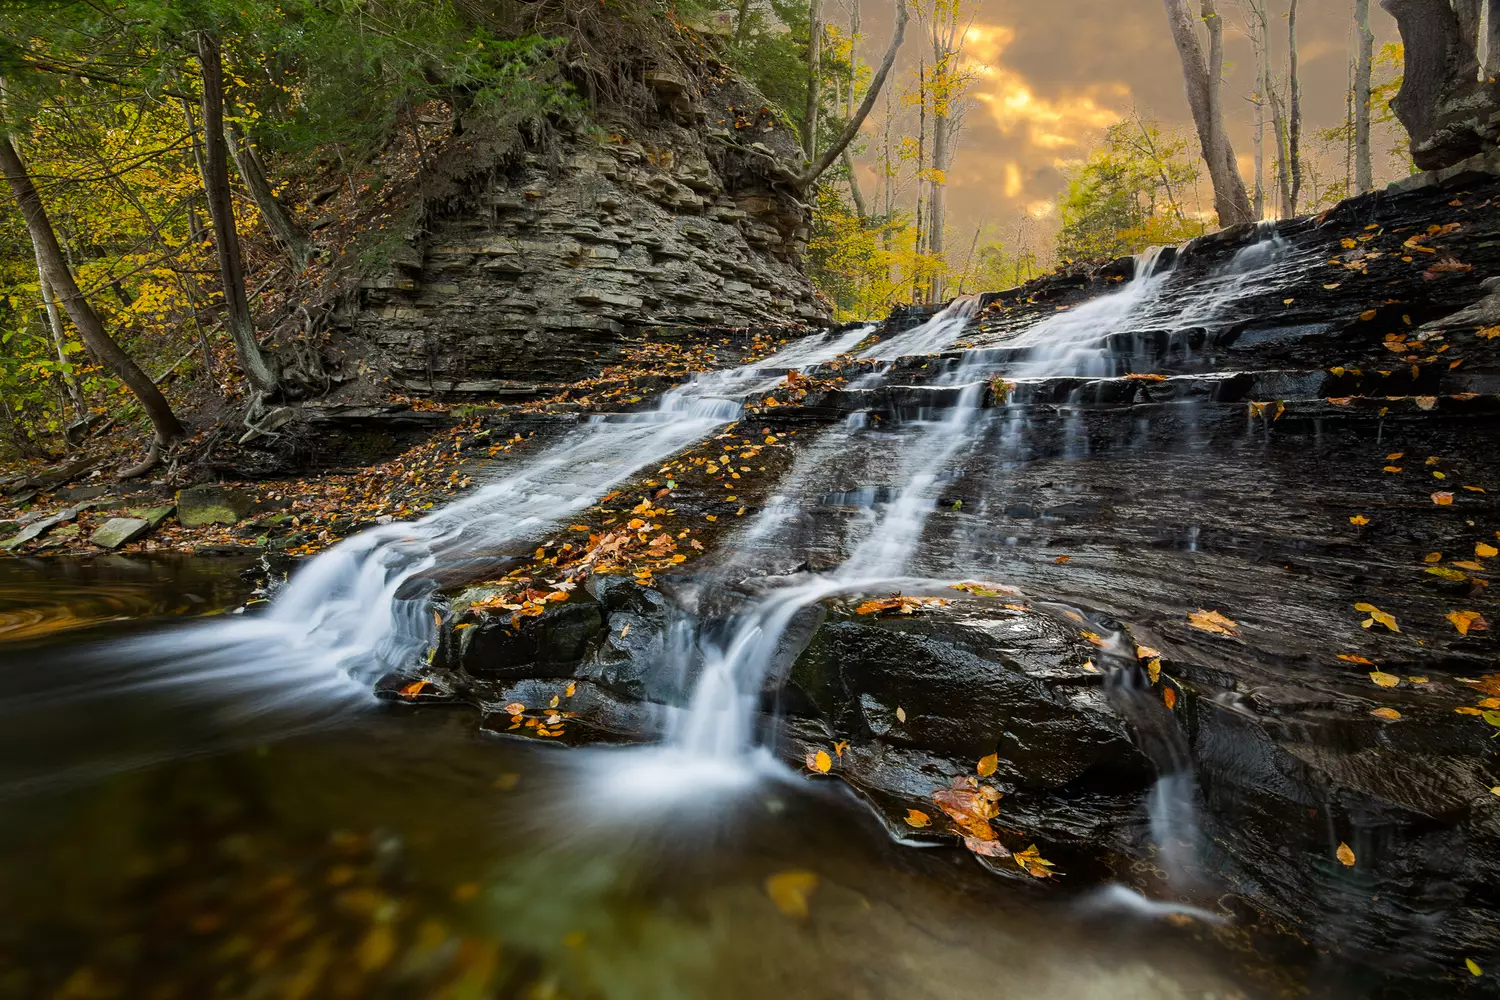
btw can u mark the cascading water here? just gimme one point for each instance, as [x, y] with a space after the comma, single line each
[937, 334]
[360, 609]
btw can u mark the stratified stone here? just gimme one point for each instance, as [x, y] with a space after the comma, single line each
[201, 505]
[118, 531]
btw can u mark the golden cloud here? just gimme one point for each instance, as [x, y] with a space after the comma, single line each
[1071, 120]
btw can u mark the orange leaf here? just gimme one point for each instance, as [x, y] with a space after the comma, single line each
[413, 689]
[917, 818]
[1346, 854]
[1442, 498]
[1212, 621]
[1170, 697]
[987, 765]
[1386, 713]
[1467, 621]
[789, 890]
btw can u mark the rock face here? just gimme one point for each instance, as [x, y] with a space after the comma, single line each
[545, 273]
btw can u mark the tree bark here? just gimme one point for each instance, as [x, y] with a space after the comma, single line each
[55, 272]
[1230, 200]
[1258, 41]
[855, 193]
[1450, 110]
[59, 338]
[830, 155]
[277, 218]
[742, 22]
[221, 208]
[1364, 174]
[814, 73]
[1294, 122]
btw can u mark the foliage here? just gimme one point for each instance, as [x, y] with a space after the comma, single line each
[1130, 193]
[865, 266]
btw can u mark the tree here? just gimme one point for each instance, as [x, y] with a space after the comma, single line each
[1365, 40]
[278, 220]
[1203, 79]
[1449, 103]
[805, 179]
[814, 79]
[221, 209]
[1128, 194]
[57, 274]
[946, 87]
[1294, 122]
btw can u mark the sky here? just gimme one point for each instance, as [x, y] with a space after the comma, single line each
[1053, 74]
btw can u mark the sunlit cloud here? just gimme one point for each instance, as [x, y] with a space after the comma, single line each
[1070, 120]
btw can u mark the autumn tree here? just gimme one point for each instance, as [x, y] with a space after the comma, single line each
[1129, 194]
[1450, 100]
[1364, 61]
[945, 89]
[1203, 75]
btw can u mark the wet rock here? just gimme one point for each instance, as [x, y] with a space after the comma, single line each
[201, 505]
[153, 516]
[922, 698]
[118, 531]
[501, 646]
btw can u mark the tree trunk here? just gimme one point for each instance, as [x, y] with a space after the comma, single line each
[1258, 42]
[55, 272]
[1202, 79]
[59, 338]
[221, 208]
[1283, 174]
[742, 22]
[814, 74]
[277, 219]
[942, 152]
[1364, 175]
[855, 193]
[1449, 111]
[810, 176]
[1294, 122]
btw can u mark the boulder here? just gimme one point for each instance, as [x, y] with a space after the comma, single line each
[201, 505]
[153, 516]
[118, 531]
[500, 646]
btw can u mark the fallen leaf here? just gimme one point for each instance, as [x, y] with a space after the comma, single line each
[1392, 468]
[1467, 621]
[987, 765]
[820, 762]
[1346, 854]
[1368, 315]
[1484, 551]
[1442, 498]
[1153, 669]
[1142, 377]
[1355, 658]
[1473, 967]
[1169, 696]
[1384, 679]
[1426, 402]
[1212, 621]
[1376, 615]
[900, 714]
[1062, 559]
[1360, 520]
[571, 689]
[1386, 713]
[840, 747]
[1146, 653]
[1433, 557]
[1032, 862]
[514, 708]
[1395, 455]
[917, 818]
[413, 689]
[789, 890]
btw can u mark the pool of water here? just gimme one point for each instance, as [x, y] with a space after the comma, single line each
[159, 845]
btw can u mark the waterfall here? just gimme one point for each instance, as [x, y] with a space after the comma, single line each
[362, 608]
[933, 336]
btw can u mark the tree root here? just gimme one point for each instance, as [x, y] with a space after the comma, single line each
[151, 461]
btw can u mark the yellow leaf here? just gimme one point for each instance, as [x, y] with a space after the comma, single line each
[377, 948]
[917, 818]
[1032, 862]
[1386, 713]
[789, 891]
[1146, 653]
[987, 765]
[1395, 455]
[1392, 468]
[1359, 519]
[1433, 557]
[1384, 679]
[840, 747]
[1346, 854]
[1355, 658]
[900, 714]
[1484, 551]
[820, 762]
[1212, 621]
[1467, 621]
[1367, 315]
[571, 689]
[1376, 615]
[1473, 967]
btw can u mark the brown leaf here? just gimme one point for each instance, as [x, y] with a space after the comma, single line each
[1442, 498]
[987, 848]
